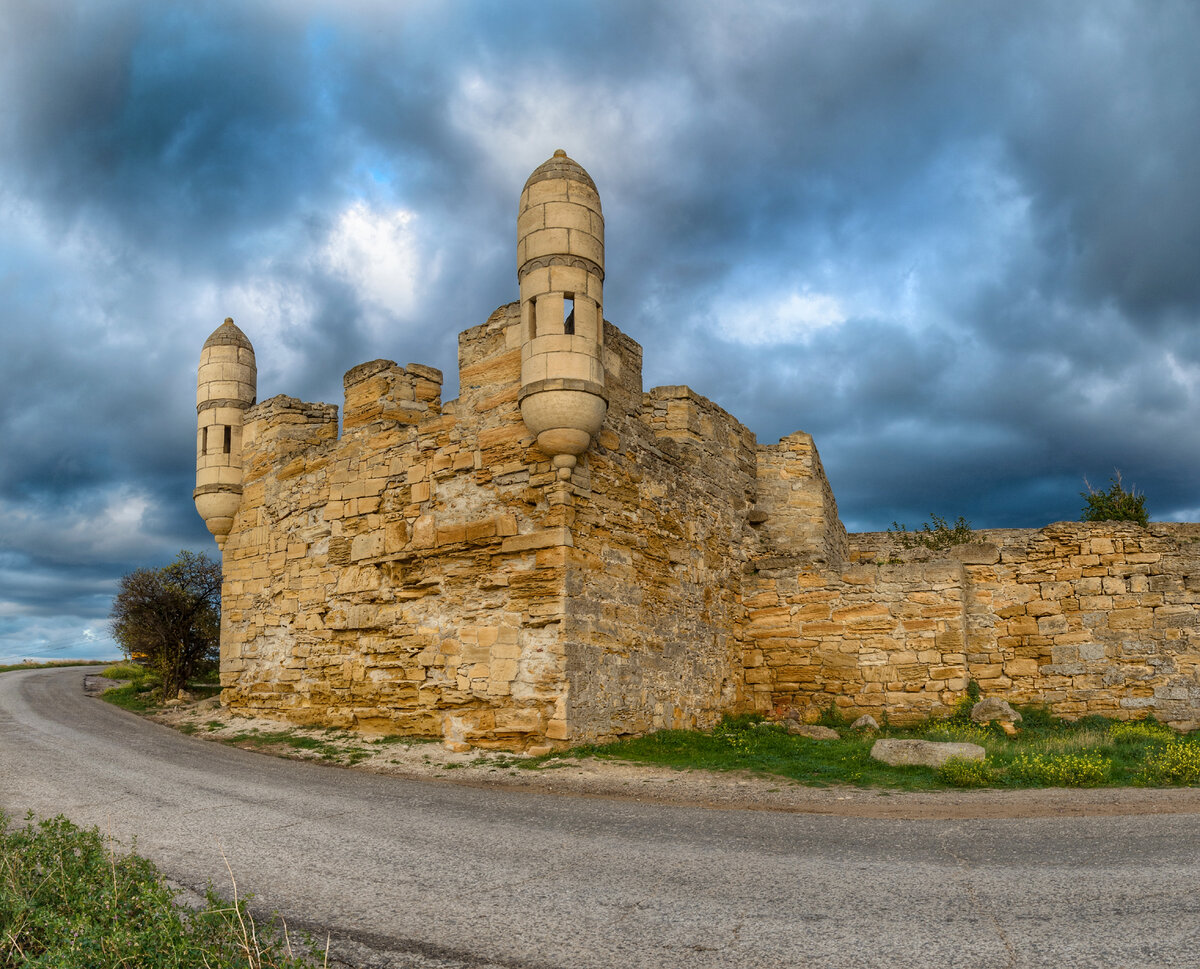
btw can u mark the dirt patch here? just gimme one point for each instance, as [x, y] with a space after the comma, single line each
[590, 777]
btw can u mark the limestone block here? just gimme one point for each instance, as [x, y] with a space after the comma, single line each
[994, 708]
[547, 190]
[545, 242]
[366, 546]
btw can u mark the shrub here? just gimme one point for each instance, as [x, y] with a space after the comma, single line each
[961, 713]
[1175, 763]
[1061, 770]
[940, 536]
[1036, 716]
[1114, 505]
[958, 772]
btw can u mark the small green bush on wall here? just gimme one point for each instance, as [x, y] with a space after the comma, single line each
[1114, 505]
[940, 536]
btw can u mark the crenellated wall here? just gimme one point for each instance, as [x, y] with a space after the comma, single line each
[429, 572]
[558, 556]
[405, 576]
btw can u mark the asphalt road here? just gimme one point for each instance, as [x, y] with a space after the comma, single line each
[418, 874]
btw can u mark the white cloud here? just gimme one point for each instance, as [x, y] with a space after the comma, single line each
[780, 318]
[623, 129]
[112, 526]
[379, 253]
[56, 638]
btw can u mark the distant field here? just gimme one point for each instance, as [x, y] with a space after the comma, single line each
[56, 662]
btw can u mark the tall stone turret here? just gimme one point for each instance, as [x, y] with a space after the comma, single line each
[225, 387]
[560, 265]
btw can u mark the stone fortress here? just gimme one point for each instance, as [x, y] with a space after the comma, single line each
[558, 556]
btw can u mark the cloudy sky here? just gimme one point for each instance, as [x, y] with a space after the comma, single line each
[958, 242]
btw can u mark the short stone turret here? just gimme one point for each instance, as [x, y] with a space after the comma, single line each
[560, 266]
[225, 388]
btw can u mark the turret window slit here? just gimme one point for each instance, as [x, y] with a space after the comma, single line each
[228, 438]
[569, 315]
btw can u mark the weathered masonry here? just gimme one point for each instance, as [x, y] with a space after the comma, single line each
[560, 556]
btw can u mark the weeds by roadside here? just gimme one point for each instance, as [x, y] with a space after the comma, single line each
[1092, 752]
[68, 900]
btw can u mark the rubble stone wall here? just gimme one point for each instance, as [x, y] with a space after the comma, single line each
[653, 611]
[1088, 618]
[427, 572]
[402, 578]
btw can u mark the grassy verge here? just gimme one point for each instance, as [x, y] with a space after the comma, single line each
[1092, 752]
[141, 694]
[331, 745]
[68, 900]
[50, 664]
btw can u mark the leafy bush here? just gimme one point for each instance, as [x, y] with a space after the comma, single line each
[961, 713]
[1114, 505]
[958, 772]
[940, 536]
[1061, 770]
[1175, 763]
[1036, 716]
[68, 902]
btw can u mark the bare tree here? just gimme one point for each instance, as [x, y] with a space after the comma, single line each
[170, 618]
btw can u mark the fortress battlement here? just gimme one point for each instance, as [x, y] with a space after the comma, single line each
[558, 556]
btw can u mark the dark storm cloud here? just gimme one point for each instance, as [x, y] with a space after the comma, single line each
[956, 242]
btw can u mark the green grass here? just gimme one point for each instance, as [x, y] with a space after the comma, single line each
[69, 901]
[131, 697]
[139, 695]
[142, 694]
[325, 748]
[125, 671]
[1092, 752]
[51, 664]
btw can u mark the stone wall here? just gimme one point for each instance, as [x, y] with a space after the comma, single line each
[1088, 618]
[428, 573]
[405, 577]
[660, 536]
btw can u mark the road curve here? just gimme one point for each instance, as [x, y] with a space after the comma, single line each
[417, 874]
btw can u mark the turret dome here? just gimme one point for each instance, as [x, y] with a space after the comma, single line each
[227, 334]
[560, 166]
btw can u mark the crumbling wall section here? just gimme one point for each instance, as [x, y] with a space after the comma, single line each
[660, 525]
[796, 513]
